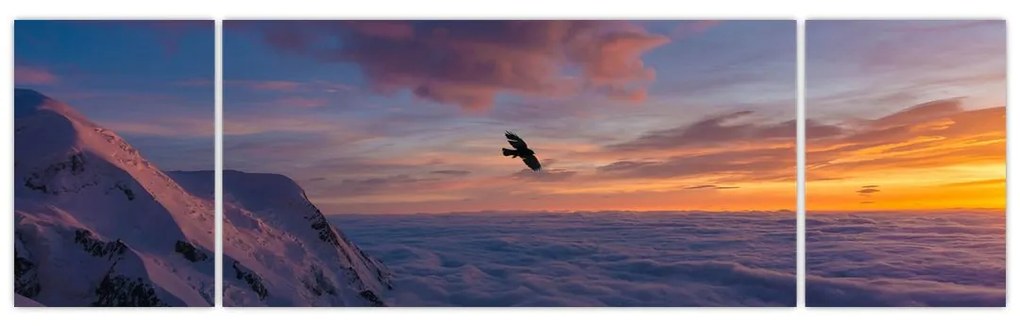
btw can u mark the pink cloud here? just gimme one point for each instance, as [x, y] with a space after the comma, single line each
[469, 63]
[34, 76]
[616, 56]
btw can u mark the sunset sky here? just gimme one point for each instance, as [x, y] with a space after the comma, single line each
[407, 117]
[149, 81]
[905, 115]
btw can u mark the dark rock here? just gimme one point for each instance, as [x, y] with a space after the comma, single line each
[189, 251]
[319, 284]
[25, 281]
[253, 280]
[97, 247]
[121, 291]
[126, 190]
[371, 297]
[40, 180]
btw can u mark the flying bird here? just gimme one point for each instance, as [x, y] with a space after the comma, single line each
[521, 150]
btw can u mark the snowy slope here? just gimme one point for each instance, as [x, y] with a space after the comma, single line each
[279, 250]
[98, 225]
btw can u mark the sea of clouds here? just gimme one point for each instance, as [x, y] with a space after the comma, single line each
[954, 258]
[584, 259]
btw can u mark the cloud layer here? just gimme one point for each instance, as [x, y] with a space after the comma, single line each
[954, 258]
[584, 259]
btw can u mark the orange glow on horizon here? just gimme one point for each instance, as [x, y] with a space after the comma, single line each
[955, 160]
[750, 196]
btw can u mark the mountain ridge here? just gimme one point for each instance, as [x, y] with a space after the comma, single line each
[272, 211]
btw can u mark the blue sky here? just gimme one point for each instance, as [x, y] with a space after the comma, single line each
[151, 81]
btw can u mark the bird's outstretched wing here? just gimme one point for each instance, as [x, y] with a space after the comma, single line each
[516, 141]
[532, 162]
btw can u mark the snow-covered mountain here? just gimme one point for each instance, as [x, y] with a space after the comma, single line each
[98, 225]
[279, 250]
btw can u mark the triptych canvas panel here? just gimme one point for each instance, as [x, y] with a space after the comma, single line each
[905, 168]
[113, 163]
[509, 163]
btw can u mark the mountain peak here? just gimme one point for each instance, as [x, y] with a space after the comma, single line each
[28, 101]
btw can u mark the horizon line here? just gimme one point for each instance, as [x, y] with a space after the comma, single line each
[662, 211]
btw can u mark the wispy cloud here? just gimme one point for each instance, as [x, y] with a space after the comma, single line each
[168, 127]
[936, 133]
[756, 164]
[290, 86]
[934, 154]
[711, 187]
[451, 172]
[545, 175]
[867, 191]
[729, 128]
[296, 102]
[24, 75]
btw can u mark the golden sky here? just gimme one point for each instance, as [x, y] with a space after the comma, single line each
[933, 156]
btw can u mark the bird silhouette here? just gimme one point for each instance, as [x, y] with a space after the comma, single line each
[521, 150]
